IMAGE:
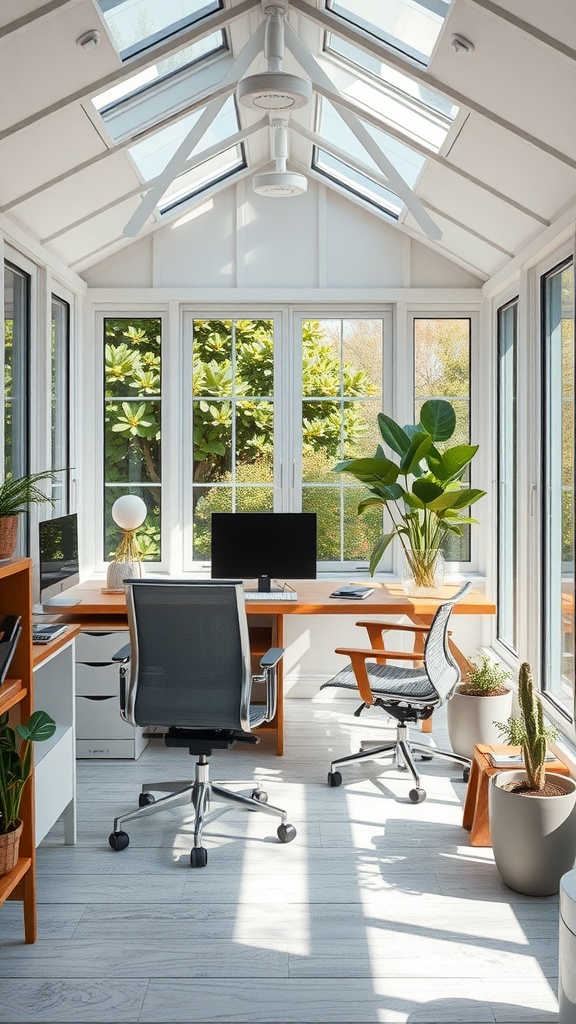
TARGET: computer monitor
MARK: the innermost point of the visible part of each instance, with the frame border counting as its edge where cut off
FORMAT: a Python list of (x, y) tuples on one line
[(59, 563), (253, 545)]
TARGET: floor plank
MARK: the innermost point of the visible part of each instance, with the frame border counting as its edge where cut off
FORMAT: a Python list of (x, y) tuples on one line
[(379, 911)]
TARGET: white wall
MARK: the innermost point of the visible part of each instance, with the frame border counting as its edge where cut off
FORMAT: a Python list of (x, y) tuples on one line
[(238, 239)]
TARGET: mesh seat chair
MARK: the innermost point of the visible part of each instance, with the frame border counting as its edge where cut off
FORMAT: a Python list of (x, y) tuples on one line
[(408, 694), (188, 667)]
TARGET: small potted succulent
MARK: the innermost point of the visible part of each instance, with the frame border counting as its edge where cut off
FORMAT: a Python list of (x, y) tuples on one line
[(477, 704), (16, 496), (15, 770), (532, 813)]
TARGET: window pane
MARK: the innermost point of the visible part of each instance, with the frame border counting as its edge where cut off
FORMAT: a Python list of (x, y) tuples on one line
[(507, 473), (16, 380), (558, 632), (233, 417), (137, 24), (132, 424), (341, 399), (407, 25), (442, 370), (60, 404)]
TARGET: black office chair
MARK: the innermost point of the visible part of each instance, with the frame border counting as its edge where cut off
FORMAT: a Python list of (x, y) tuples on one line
[(408, 694), (188, 667)]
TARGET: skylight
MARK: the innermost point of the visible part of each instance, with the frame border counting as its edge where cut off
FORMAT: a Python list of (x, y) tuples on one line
[(334, 131), (137, 25), (410, 26), (159, 72), (153, 153)]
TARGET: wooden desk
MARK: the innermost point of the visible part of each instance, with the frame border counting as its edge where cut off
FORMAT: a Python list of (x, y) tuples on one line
[(476, 818), (94, 607)]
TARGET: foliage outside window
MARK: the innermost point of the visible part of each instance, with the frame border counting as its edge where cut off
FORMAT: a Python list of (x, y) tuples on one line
[(507, 474), (442, 370), (16, 348), (234, 413), (558, 511), (132, 424)]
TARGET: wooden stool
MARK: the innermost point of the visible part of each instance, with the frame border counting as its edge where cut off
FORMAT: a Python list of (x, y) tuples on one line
[(476, 805)]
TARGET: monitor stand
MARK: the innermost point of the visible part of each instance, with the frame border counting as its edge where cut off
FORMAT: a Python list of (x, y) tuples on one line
[(61, 602)]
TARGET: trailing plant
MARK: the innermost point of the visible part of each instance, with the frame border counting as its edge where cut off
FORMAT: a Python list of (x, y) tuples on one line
[(16, 761), (528, 730), (18, 493), (486, 678), (428, 504)]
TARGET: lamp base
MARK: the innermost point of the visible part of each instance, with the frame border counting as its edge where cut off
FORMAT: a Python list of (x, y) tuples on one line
[(120, 571)]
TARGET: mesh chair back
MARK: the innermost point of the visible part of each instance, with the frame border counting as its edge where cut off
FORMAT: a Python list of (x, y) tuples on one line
[(441, 669), (190, 654)]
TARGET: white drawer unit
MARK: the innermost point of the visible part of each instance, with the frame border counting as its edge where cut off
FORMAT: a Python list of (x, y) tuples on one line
[(100, 731)]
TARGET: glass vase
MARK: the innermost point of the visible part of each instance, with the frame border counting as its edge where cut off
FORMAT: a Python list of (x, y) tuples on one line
[(423, 572)]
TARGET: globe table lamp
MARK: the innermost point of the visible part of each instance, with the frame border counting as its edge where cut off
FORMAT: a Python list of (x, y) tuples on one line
[(128, 512)]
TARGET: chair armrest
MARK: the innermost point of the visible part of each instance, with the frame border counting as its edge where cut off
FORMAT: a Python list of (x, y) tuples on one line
[(123, 655), (359, 657), (272, 657), (269, 662)]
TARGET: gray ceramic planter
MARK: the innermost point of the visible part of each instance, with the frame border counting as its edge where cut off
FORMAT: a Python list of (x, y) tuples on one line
[(471, 720), (533, 837)]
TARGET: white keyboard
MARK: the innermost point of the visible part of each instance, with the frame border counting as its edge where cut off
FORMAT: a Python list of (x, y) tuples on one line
[(270, 595)]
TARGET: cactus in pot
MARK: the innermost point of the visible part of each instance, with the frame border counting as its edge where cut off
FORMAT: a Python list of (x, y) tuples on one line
[(529, 732)]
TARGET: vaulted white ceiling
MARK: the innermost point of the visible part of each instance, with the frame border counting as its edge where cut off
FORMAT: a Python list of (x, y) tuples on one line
[(486, 138)]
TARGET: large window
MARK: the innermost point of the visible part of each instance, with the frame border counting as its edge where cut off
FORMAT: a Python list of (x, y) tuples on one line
[(341, 399), (442, 370), (558, 511), (263, 443), (132, 421), (507, 325), (60, 405)]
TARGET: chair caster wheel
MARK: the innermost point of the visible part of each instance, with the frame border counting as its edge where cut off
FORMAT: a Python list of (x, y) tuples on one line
[(334, 779), (260, 795), (417, 796), (145, 799), (118, 840), (286, 833), (198, 857), (465, 774)]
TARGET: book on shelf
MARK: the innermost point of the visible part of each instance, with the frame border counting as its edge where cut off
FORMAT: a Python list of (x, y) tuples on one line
[(10, 630), (43, 634)]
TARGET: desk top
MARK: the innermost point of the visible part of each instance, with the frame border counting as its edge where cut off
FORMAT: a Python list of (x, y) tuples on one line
[(313, 599)]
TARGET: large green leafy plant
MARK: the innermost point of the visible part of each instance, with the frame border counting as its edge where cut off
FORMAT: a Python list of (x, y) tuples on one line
[(16, 761), (423, 491)]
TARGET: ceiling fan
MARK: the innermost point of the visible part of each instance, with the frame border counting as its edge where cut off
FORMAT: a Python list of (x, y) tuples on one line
[(277, 93)]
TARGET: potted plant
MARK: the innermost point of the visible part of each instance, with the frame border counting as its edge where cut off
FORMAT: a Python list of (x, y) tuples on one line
[(532, 819), (430, 502), (16, 496), (475, 706), (15, 769)]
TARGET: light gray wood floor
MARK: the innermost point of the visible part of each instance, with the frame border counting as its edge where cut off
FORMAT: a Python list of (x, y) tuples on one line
[(379, 911)]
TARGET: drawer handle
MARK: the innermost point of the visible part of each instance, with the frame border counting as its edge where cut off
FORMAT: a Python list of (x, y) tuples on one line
[(96, 664), (112, 696)]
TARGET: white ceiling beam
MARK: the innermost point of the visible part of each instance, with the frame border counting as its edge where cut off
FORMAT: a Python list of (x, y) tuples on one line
[(208, 25), (363, 40), (531, 30), (33, 17), (174, 166), (195, 161)]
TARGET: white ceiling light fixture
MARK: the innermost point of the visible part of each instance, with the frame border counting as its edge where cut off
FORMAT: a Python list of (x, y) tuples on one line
[(280, 183), (274, 89)]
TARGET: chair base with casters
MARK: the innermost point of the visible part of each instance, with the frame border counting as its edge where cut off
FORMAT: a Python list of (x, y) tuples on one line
[(200, 793), (402, 749), (409, 695)]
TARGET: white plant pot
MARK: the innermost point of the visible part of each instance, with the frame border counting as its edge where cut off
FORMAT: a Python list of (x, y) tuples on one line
[(533, 837), (471, 720)]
